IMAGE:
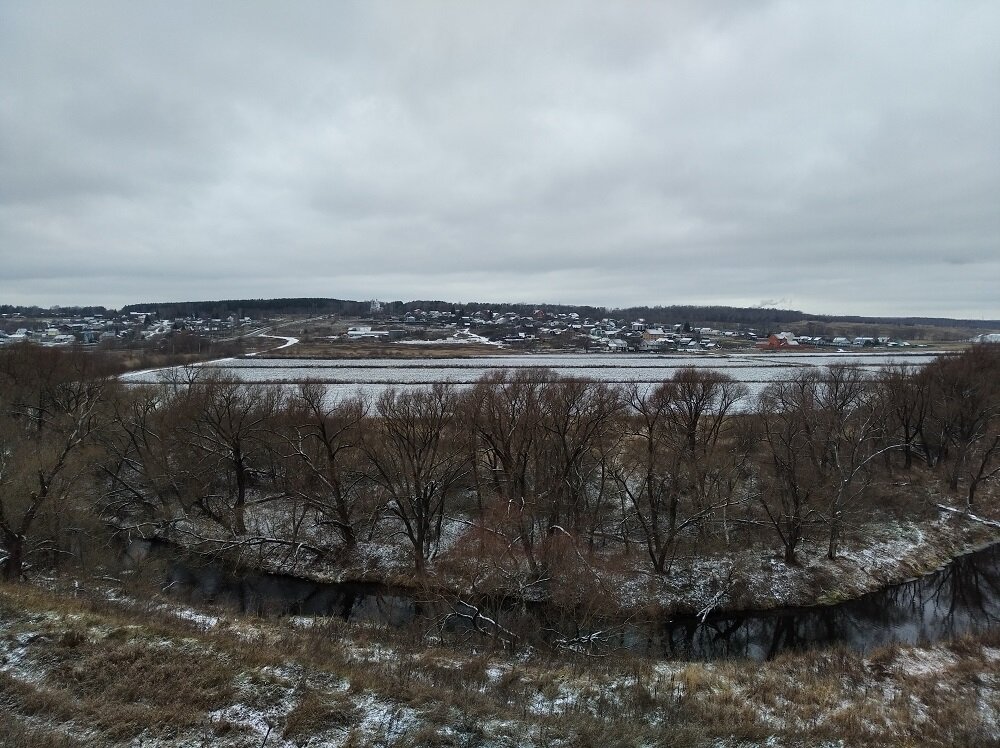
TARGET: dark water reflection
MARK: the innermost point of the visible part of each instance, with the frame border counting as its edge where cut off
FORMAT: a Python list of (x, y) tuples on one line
[(278, 594), (963, 597)]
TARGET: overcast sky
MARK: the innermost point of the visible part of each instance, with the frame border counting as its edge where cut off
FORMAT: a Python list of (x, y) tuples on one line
[(833, 157)]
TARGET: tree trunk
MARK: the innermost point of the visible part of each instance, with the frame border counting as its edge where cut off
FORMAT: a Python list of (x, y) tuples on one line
[(835, 521), (790, 558), (239, 517), (240, 504), (13, 566)]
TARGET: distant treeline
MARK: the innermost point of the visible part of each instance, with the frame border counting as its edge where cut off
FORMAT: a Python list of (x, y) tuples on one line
[(715, 316), (697, 315), (764, 317), (68, 311), (252, 308)]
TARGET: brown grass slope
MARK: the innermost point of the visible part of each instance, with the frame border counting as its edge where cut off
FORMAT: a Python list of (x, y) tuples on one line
[(93, 672)]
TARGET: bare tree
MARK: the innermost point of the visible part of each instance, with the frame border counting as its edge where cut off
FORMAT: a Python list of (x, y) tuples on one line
[(850, 432), (822, 430), (984, 465), (505, 415), (414, 447), (711, 443), (324, 440), (151, 477), (791, 484), (905, 401), (965, 406), (685, 456), (646, 474), (231, 427), (579, 418)]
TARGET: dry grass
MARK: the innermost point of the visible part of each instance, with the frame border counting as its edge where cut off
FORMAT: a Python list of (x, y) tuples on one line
[(85, 672), (19, 730), (316, 711), (120, 682)]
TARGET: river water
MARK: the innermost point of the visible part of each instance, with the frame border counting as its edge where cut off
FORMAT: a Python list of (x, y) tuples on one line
[(962, 597)]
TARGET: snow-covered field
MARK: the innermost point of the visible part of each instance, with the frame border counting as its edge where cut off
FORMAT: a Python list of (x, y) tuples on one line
[(373, 376)]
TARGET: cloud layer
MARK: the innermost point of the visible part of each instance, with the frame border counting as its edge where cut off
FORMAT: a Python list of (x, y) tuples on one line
[(841, 157)]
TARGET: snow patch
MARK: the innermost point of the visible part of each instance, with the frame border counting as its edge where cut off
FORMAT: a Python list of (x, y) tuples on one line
[(925, 662), (256, 720), (382, 718)]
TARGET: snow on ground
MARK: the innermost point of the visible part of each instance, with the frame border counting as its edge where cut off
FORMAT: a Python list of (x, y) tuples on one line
[(14, 659), (203, 620), (924, 662), (884, 690), (970, 515), (459, 338), (384, 719), (381, 557), (758, 578), (289, 342), (452, 531), (370, 653), (259, 721), (495, 672), (560, 700)]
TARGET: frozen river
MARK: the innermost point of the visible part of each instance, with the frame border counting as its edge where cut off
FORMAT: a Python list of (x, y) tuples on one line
[(372, 376)]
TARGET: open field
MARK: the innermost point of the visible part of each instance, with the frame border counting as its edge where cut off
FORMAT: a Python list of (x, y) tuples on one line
[(329, 349)]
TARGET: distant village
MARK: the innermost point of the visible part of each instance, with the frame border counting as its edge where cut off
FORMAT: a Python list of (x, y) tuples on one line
[(526, 330), (96, 329), (570, 330)]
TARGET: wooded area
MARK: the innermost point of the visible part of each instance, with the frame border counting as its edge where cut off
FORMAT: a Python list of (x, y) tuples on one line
[(542, 473)]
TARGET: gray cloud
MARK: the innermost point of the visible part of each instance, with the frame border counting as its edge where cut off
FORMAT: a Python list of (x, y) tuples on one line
[(839, 157)]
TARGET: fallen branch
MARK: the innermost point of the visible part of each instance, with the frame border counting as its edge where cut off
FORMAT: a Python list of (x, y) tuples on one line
[(478, 620), (711, 605), (969, 515), (582, 644)]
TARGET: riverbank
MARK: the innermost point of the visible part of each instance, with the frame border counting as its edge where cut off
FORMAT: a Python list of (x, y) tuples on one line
[(617, 586), (886, 554), (85, 670)]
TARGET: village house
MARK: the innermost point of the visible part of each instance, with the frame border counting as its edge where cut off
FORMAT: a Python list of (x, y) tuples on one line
[(781, 341)]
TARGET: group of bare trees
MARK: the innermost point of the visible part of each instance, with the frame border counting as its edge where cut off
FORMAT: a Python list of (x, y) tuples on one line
[(51, 408), (534, 468), (821, 432)]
